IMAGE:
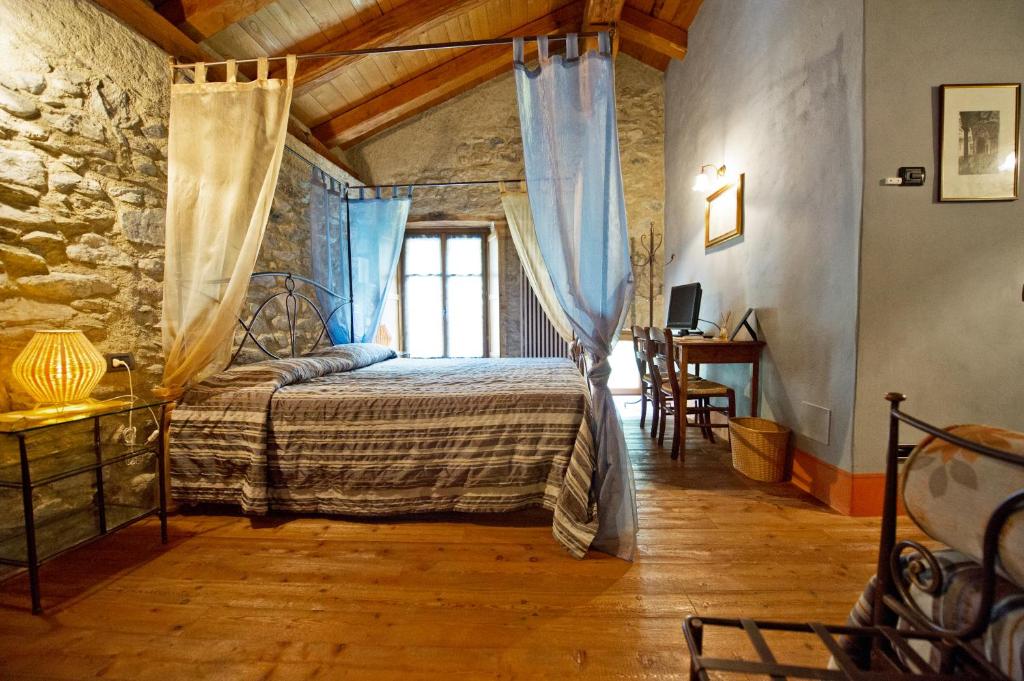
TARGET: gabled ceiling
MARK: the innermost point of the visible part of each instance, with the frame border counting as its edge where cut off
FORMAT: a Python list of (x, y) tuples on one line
[(346, 100)]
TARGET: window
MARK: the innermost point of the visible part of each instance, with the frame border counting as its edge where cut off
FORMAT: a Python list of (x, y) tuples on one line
[(444, 294)]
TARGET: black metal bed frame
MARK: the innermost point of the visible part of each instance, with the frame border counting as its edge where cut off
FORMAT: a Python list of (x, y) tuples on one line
[(292, 301), (900, 565)]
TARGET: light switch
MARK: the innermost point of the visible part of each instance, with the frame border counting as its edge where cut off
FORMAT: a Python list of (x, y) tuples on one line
[(815, 422)]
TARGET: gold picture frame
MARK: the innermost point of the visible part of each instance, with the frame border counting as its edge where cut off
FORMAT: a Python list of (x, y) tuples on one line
[(979, 142), (721, 222)]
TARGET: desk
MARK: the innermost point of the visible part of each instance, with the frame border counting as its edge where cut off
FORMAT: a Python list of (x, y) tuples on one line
[(699, 350)]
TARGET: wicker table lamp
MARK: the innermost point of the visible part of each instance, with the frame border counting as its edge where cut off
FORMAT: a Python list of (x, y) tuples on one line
[(59, 369)]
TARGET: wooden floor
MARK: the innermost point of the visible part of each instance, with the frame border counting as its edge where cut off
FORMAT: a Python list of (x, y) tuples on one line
[(456, 597)]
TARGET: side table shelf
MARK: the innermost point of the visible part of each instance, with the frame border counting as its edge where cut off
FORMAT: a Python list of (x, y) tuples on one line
[(78, 480)]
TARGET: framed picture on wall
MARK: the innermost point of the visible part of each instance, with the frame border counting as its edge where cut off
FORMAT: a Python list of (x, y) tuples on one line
[(980, 142), (723, 214)]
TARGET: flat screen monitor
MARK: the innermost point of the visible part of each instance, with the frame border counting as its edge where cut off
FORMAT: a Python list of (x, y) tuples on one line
[(684, 307)]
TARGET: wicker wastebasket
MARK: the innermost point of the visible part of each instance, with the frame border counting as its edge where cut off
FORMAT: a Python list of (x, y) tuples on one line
[(759, 448)]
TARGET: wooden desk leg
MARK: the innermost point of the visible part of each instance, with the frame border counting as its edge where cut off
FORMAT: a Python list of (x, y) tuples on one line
[(682, 406), (755, 389)]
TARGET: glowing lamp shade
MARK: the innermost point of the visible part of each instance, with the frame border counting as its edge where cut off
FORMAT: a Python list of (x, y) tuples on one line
[(59, 367)]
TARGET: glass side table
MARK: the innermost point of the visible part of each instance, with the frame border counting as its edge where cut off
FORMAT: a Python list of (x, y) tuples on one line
[(69, 479)]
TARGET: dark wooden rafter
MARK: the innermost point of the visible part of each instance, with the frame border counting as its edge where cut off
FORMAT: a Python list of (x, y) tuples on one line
[(151, 25), (660, 36), (438, 84), (403, 24), (200, 19)]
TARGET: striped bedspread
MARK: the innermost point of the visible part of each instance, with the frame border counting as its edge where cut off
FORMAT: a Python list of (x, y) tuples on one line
[(353, 431)]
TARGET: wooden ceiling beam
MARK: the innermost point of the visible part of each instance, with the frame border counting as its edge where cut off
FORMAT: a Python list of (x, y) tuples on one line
[(150, 24), (403, 24), (146, 21), (200, 19), (438, 84), (661, 36), (655, 60)]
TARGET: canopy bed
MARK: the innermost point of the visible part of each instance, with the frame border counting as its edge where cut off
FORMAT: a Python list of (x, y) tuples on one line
[(345, 427)]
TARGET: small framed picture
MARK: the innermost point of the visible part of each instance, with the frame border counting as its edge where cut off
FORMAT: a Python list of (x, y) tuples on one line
[(980, 142), (723, 214)]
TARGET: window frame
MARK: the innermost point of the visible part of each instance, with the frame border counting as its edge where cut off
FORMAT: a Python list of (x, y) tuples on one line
[(444, 235)]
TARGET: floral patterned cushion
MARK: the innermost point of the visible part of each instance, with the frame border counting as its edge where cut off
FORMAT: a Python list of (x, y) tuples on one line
[(951, 492)]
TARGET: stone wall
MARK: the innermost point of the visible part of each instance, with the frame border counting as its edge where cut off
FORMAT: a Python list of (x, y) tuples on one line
[(477, 136), (83, 178)]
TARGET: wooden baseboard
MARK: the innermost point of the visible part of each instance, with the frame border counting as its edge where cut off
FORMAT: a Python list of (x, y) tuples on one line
[(851, 494)]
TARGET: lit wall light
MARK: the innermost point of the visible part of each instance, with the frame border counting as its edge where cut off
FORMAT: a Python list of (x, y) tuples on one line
[(705, 181)]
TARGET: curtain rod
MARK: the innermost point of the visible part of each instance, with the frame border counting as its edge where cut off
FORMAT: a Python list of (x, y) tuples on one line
[(464, 183), (399, 48)]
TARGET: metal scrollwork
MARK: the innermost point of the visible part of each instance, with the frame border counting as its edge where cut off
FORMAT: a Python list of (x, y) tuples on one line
[(292, 299)]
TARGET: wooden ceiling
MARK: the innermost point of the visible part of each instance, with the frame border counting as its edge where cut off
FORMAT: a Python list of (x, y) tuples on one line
[(346, 100)]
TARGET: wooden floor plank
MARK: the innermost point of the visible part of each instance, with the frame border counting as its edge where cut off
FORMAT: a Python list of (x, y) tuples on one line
[(442, 597)]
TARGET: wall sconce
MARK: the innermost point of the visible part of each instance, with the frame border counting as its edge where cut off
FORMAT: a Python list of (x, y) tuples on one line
[(703, 181)]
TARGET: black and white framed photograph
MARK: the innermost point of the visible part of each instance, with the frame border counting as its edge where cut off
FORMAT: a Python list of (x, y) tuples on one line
[(980, 155)]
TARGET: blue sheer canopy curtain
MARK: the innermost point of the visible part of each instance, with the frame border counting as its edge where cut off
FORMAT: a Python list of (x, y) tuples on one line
[(571, 152), (356, 243)]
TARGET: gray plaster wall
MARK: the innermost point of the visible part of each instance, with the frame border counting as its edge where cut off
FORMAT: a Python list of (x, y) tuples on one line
[(774, 90), (941, 317)]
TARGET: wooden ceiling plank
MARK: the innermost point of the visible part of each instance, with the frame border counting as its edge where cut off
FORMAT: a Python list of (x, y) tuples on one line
[(437, 85), (601, 14), (666, 38), (200, 19), (395, 27)]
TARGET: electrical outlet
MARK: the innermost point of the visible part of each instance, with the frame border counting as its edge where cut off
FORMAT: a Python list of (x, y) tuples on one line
[(126, 357)]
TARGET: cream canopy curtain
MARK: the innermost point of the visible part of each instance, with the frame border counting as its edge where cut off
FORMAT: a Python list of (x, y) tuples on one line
[(524, 236), (225, 145)]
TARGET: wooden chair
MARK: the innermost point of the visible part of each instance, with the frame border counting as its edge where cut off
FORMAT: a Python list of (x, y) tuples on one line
[(666, 373), (648, 392)]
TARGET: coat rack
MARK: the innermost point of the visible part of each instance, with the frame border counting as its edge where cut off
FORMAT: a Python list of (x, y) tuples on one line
[(645, 257)]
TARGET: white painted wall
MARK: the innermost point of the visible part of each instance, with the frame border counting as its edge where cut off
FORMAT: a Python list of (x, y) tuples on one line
[(941, 317), (774, 90)]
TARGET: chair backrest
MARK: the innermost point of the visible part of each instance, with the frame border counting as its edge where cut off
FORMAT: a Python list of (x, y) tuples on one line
[(640, 339), (663, 358)]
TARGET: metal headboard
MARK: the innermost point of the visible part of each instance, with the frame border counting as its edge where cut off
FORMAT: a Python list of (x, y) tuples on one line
[(294, 301), (892, 595)]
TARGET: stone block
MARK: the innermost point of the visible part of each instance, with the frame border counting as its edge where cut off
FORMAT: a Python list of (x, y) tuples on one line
[(21, 262), (16, 127), (65, 286), (47, 244), (95, 250), (144, 226), (152, 267), (92, 305), (26, 81), (65, 181), (22, 167), (21, 312), (15, 195), (127, 193), (17, 105)]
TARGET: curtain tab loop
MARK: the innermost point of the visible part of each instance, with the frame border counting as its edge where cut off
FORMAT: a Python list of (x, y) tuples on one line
[(200, 73), (518, 51), (410, 191), (542, 48), (291, 64), (361, 193), (377, 193), (604, 43), (262, 68), (232, 68), (572, 46), (394, 191)]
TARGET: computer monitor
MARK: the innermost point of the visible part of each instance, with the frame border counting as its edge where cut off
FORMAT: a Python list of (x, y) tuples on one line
[(684, 307)]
